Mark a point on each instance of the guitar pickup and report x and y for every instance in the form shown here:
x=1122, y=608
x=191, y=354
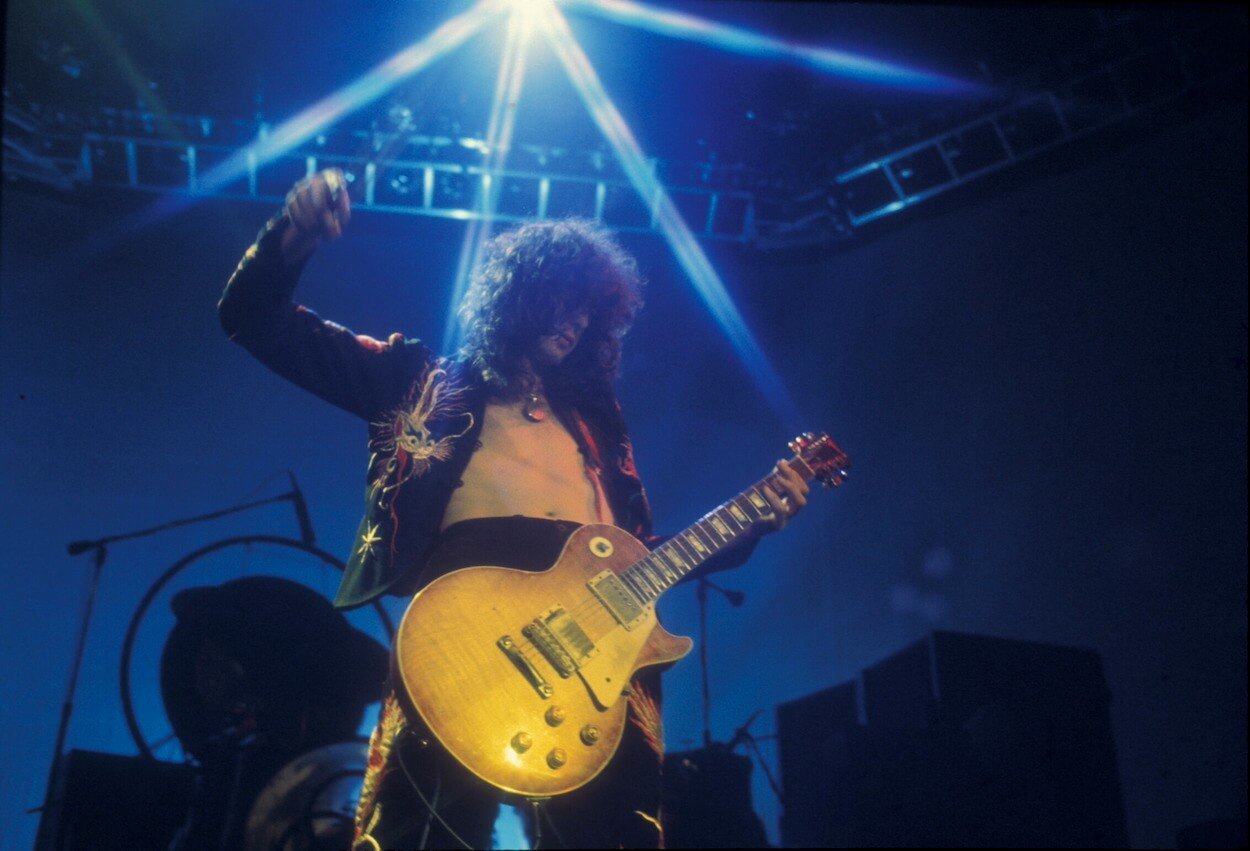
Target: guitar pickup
x=560, y=640
x=615, y=597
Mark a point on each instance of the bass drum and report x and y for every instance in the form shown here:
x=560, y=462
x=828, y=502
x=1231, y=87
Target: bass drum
x=310, y=804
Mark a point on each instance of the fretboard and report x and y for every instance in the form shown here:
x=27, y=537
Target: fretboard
x=712, y=533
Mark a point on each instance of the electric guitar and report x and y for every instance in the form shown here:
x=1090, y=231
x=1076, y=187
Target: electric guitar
x=524, y=677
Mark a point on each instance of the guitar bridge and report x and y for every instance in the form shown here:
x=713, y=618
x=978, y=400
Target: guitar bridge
x=560, y=640
x=527, y=669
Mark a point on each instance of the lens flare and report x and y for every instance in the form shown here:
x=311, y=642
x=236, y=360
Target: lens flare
x=303, y=126
x=368, y=88
x=679, y=236
x=739, y=40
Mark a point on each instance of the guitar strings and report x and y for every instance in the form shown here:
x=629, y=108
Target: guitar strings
x=591, y=604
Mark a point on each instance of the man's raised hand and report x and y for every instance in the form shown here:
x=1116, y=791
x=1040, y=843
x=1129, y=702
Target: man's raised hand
x=319, y=209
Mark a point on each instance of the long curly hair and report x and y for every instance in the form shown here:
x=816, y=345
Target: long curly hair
x=532, y=276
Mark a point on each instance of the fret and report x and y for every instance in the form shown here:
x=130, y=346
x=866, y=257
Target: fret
x=689, y=555
x=632, y=589
x=670, y=576
x=680, y=564
x=721, y=527
x=759, y=503
x=674, y=558
x=697, y=545
x=744, y=505
x=654, y=577
x=645, y=581
x=723, y=516
x=634, y=585
x=737, y=513
x=654, y=572
x=714, y=542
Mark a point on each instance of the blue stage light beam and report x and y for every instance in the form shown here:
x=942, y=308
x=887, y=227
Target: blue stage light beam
x=498, y=141
x=678, y=234
x=739, y=40
x=366, y=89
x=303, y=126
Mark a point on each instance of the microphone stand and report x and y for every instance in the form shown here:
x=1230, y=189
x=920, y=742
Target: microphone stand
x=743, y=733
x=100, y=549
x=735, y=599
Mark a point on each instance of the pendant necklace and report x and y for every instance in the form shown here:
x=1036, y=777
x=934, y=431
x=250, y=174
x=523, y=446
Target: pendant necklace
x=533, y=410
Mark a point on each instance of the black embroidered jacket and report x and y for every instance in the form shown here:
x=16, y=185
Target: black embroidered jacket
x=424, y=412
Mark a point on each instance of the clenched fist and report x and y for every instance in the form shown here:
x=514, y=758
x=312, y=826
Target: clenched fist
x=319, y=209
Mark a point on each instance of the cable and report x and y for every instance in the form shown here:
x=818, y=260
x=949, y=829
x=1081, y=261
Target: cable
x=399, y=755
x=425, y=830
x=546, y=811
x=538, y=824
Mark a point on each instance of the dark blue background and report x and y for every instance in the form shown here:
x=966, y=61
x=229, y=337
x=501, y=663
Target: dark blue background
x=1043, y=389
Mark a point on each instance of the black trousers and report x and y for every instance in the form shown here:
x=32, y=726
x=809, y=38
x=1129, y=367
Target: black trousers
x=426, y=799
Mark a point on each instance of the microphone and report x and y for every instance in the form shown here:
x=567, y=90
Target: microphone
x=735, y=598
x=301, y=512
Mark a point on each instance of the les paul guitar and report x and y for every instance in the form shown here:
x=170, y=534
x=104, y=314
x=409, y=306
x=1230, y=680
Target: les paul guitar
x=523, y=676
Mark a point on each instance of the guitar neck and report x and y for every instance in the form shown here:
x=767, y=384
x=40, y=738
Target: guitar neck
x=712, y=533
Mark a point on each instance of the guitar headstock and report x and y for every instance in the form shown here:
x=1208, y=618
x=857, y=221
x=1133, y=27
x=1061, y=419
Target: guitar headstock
x=823, y=457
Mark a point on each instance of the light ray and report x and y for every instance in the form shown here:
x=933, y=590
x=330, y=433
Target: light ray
x=368, y=88
x=740, y=40
x=498, y=141
x=303, y=126
x=678, y=234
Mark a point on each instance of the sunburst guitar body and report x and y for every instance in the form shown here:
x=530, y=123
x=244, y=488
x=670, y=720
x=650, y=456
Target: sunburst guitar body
x=524, y=677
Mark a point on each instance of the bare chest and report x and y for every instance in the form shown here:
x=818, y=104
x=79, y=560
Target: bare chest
x=530, y=468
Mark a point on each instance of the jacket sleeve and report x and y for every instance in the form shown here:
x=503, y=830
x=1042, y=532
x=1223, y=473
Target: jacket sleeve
x=357, y=373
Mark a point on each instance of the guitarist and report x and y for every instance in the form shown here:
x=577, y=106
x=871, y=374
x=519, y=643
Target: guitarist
x=493, y=456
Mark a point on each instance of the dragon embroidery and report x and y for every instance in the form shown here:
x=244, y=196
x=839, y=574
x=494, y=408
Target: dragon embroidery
x=405, y=435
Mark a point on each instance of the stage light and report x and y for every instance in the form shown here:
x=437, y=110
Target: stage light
x=740, y=40
x=530, y=14
x=678, y=235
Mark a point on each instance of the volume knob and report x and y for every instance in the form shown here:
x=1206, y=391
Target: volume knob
x=554, y=716
x=557, y=757
x=590, y=734
x=522, y=742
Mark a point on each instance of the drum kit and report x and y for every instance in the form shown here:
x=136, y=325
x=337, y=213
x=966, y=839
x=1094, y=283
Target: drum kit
x=264, y=685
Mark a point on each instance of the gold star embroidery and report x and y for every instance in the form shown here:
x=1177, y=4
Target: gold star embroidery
x=370, y=538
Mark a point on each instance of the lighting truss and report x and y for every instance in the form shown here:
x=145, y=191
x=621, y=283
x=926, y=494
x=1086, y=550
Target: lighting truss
x=1112, y=94
x=439, y=187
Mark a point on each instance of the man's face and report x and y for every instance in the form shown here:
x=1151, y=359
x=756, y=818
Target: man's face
x=551, y=349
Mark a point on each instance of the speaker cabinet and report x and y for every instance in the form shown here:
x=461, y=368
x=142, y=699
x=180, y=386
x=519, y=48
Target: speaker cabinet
x=956, y=740
x=107, y=801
